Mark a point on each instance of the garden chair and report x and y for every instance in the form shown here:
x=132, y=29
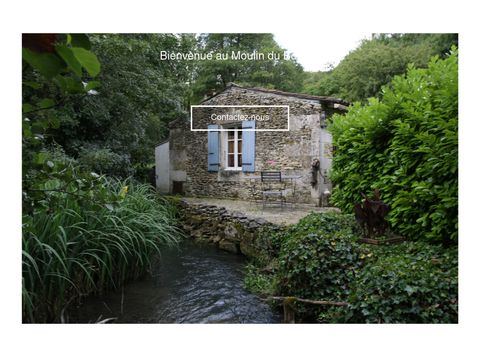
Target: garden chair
x=273, y=189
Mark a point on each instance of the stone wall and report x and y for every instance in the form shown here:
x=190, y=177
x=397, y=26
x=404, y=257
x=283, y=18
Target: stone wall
x=292, y=152
x=228, y=230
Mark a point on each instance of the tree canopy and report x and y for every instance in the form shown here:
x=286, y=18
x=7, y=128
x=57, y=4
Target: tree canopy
x=129, y=113
x=213, y=76
x=365, y=70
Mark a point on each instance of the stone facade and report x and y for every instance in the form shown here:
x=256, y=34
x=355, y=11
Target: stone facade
x=291, y=152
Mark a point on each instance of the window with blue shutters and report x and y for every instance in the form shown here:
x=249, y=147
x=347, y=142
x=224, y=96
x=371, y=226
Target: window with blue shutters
x=248, y=148
x=238, y=143
x=213, y=148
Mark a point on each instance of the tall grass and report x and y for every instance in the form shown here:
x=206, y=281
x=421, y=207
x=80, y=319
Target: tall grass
x=78, y=250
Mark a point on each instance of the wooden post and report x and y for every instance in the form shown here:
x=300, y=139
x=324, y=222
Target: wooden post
x=288, y=312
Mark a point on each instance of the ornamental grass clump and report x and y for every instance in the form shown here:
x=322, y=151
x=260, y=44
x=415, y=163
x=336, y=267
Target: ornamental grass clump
x=75, y=250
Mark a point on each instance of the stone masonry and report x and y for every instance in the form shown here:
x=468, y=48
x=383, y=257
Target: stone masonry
x=291, y=152
x=228, y=230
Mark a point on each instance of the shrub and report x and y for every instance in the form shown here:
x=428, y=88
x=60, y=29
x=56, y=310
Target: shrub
x=105, y=161
x=406, y=283
x=318, y=257
x=259, y=281
x=406, y=145
x=145, y=173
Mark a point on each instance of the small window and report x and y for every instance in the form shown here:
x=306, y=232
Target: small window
x=233, y=148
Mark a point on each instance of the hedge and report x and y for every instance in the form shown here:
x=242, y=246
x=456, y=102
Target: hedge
x=405, y=145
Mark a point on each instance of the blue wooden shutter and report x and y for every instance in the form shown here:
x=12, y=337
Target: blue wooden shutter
x=248, y=147
x=213, y=150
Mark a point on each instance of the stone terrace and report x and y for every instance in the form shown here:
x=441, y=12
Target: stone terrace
x=290, y=214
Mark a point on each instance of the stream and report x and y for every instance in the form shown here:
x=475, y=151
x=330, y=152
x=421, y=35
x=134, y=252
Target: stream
x=191, y=284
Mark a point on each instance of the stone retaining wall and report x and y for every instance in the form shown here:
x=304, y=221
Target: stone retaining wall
x=228, y=230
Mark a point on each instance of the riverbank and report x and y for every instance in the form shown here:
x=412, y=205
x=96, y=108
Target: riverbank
x=234, y=225
x=82, y=247
x=190, y=284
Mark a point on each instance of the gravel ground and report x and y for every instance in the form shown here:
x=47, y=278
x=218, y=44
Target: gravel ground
x=290, y=214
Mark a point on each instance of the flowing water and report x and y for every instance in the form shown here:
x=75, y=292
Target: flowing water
x=189, y=285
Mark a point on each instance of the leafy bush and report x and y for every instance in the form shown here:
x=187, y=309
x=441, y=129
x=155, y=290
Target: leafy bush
x=318, y=257
x=105, y=161
x=407, y=146
x=145, y=173
x=406, y=283
x=259, y=281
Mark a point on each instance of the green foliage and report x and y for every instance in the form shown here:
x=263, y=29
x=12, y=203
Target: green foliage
x=363, y=72
x=105, y=161
x=48, y=64
x=213, y=76
x=318, y=257
x=259, y=281
x=82, y=247
x=439, y=43
x=406, y=283
x=407, y=146
x=87, y=60
x=52, y=178
x=127, y=108
x=320, y=83
x=48, y=176
x=82, y=233
x=50, y=78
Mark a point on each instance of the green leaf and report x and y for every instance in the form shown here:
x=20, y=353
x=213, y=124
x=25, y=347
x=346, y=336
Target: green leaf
x=54, y=122
x=47, y=64
x=70, y=85
x=41, y=157
x=45, y=103
x=27, y=132
x=68, y=56
x=88, y=60
x=410, y=290
x=26, y=108
x=92, y=85
x=80, y=41
x=32, y=84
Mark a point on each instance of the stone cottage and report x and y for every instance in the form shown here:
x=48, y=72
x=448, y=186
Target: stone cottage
x=234, y=135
